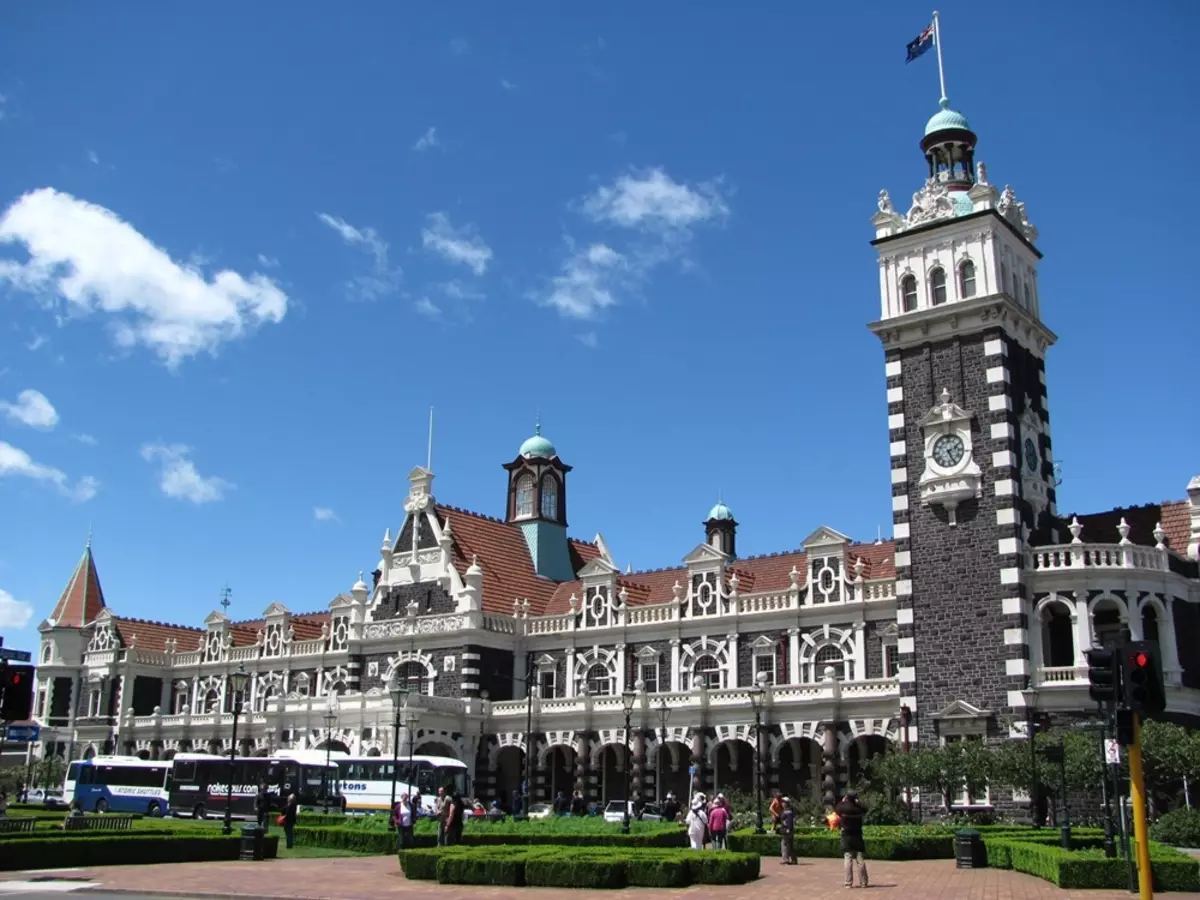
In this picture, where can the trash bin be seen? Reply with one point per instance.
(252, 842)
(969, 851)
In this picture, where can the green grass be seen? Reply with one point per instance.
(314, 852)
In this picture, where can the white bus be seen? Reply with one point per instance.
(124, 784)
(366, 781)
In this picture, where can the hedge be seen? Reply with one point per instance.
(597, 867)
(364, 840)
(1090, 869)
(71, 851)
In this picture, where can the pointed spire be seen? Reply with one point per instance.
(82, 599)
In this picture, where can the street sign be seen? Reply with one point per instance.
(692, 771)
(22, 734)
(1112, 752)
(15, 655)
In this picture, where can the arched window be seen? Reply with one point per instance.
(550, 498)
(908, 289)
(1058, 637)
(412, 676)
(212, 700)
(46, 653)
(708, 669)
(300, 684)
(265, 695)
(937, 286)
(1149, 623)
(966, 279)
(828, 656)
(599, 680)
(524, 497)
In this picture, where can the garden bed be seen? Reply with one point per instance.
(592, 867)
(47, 850)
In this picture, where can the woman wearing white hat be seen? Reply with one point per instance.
(697, 822)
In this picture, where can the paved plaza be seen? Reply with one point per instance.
(374, 877)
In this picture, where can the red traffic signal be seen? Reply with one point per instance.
(1142, 678)
(16, 686)
(1141, 660)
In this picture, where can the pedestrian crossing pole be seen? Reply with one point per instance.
(1137, 793)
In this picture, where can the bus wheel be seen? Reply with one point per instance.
(155, 809)
(101, 805)
(198, 812)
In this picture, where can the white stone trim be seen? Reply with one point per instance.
(1005, 487)
(1011, 606)
(1014, 636)
(903, 559)
(997, 375)
(903, 587)
(467, 656)
(895, 421)
(900, 503)
(900, 530)
(1010, 576)
(1006, 516)
(906, 645)
(1002, 458)
(1016, 700)
(910, 702)
(895, 395)
(907, 674)
(899, 476)
(892, 368)
(998, 431)
(1016, 667)
(1008, 546)
(995, 347)
(998, 402)
(904, 616)
(898, 448)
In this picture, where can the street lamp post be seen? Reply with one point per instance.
(331, 714)
(1030, 697)
(758, 694)
(411, 717)
(236, 682)
(664, 713)
(399, 694)
(628, 700)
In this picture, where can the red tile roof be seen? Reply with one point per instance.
(82, 599)
(771, 572)
(1173, 515)
(154, 635)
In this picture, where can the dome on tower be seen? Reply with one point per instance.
(946, 119)
(538, 447)
(721, 513)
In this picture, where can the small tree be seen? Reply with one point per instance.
(1170, 754)
(48, 772)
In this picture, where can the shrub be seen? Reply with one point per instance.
(1179, 828)
(1088, 868)
(120, 849)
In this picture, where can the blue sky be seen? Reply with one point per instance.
(243, 251)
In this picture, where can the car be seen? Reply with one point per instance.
(615, 812)
(541, 811)
(52, 798)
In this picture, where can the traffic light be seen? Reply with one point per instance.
(1125, 727)
(16, 686)
(1142, 678)
(1102, 675)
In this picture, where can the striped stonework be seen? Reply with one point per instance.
(900, 477)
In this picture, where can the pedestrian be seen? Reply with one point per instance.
(786, 826)
(561, 805)
(718, 823)
(439, 812)
(262, 807)
(578, 806)
(850, 811)
(670, 808)
(454, 820)
(3, 804)
(697, 822)
(290, 811)
(776, 810)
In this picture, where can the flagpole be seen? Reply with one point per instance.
(937, 42)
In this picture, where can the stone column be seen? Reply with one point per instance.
(675, 685)
(581, 762)
(732, 650)
(829, 765)
(639, 760)
(793, 656)
(860, 651)
(570, 673)
(698, 759)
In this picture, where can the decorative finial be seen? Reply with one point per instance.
(88, 545)
(1123, 530)
(981, 169)
(537, 423)
(944, 103)
(1076, 529)
(226, 597)
(944, 397)
(1159, 537)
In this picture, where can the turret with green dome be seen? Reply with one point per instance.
(537, 504)
(720, 529)
(538, 446)
(949, 148)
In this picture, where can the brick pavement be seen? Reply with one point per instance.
(379, 878)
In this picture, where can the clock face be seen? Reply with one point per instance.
(1031, 455)
(948, 450)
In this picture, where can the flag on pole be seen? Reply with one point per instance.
(920, 44)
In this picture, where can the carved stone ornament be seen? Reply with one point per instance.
(930, 203)
(885, 202)
(951, 474)
(417, 501)
(407, 627)
(1034, 487)
(1014, 210)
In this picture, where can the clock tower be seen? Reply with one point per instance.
(969, 431)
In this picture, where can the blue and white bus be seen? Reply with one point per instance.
(119, 784)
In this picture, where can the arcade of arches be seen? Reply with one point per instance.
(797, 767)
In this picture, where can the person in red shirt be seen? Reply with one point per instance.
(718, 823)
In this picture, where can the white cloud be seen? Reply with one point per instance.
(428, 141)
(655, 202)
(14, 613)
(456, 290)
(508, 85)
(32, 409)
(269, 262)
(428, 308)
(456, 245)
(587, 283)
(93, 158)
(178, 476)
(85, 439)
(37, 342)
(589, 340)
(325, 514)
(16, 463)
(382, 279)
(94, 261)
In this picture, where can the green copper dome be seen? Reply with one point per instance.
(720, 512)
(538, 446)
(946, 119)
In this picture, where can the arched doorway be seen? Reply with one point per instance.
(334, 746)
(143, 754)
(560, 771)
(510, 770)
(374, 751)
(800, 769)
(735, 767)
(613, 770)
(859, 755)
(435, 748)
(169, 755)
(671, 763)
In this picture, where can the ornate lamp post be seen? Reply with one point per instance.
(331, 714)
(236, 682)
(664, 713)
(1030, 697)
(758, 695)
(628, 700)
(411, 717)
(399, 694)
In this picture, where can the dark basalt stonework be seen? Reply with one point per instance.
(425, 537)
(445, 684)
(746, 653)
(430, 598)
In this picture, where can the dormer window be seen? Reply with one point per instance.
(524, 503)
(966, 279)
(549, 498)
(937, 286)
(908, 290)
